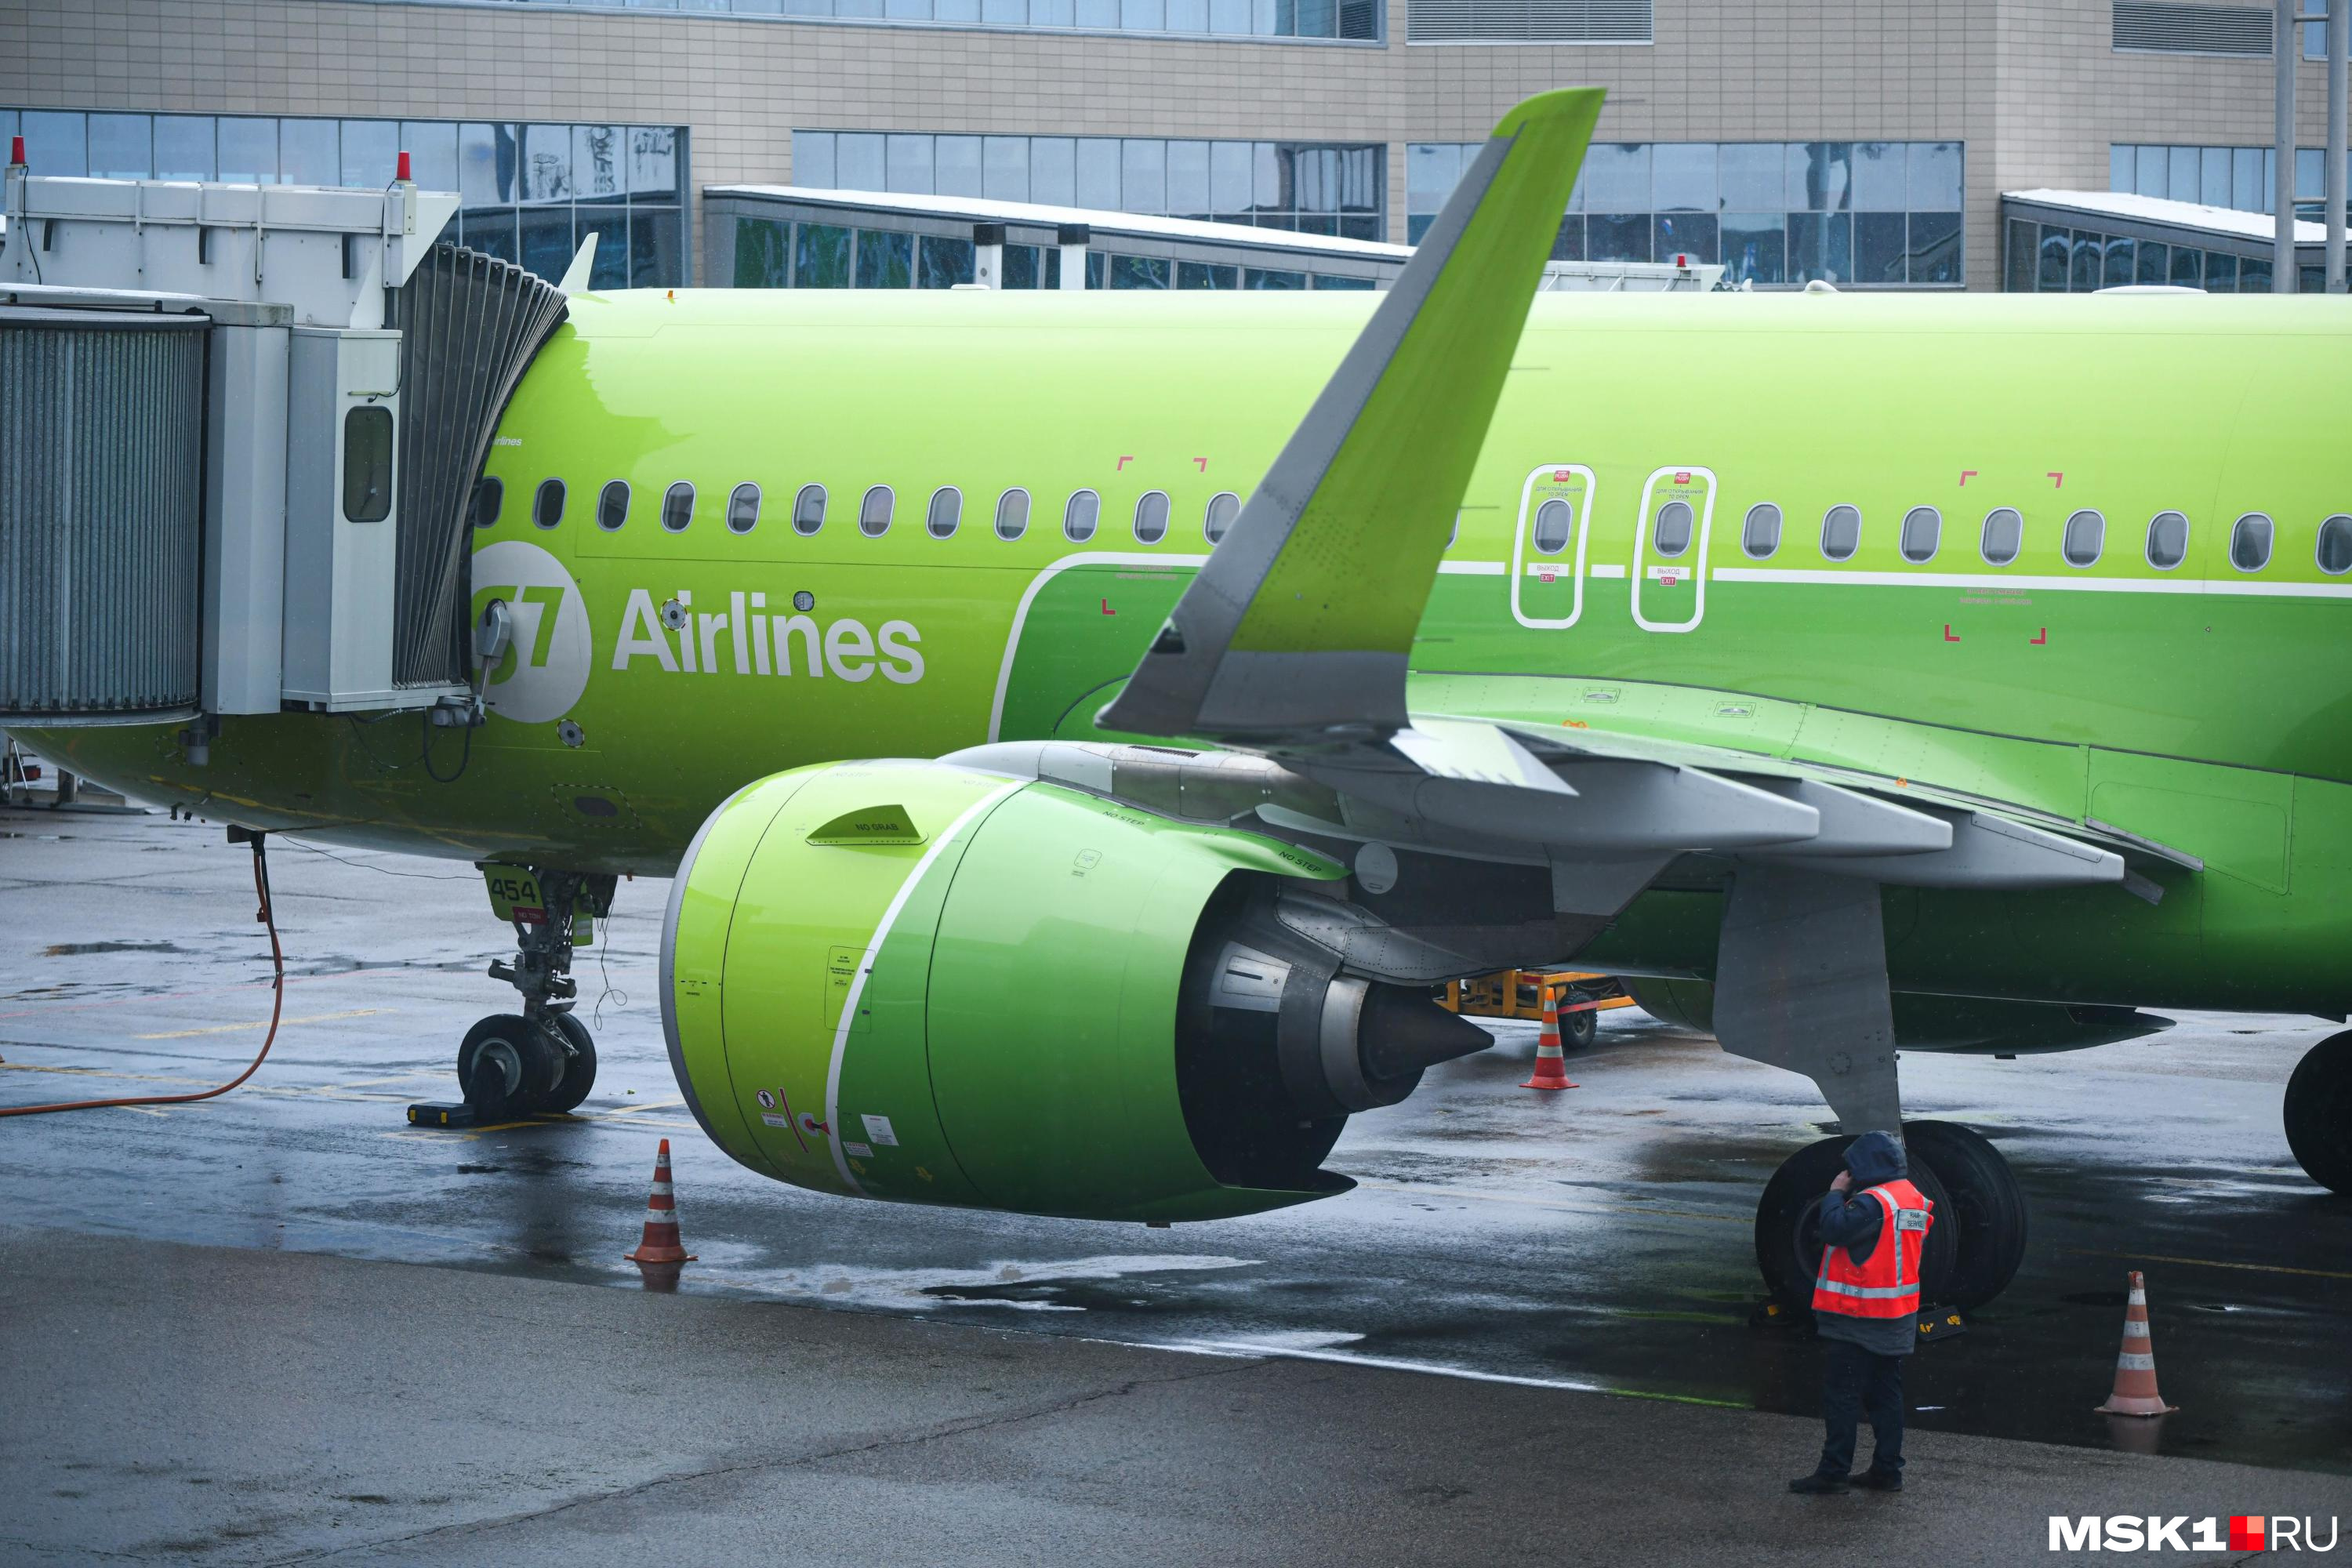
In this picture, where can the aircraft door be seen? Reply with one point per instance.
(1549, 550)
(1670, 550)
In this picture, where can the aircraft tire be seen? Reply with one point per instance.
(579, 1071)
(1788, 1225)
(2319, 1112)
(1987, 1214)
(494, 1066)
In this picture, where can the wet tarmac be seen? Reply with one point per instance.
(1594, 1240)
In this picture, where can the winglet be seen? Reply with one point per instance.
(1299, 625)
(575, 276)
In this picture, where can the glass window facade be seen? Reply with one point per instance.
(1318, 19)
(2058, 258)
(1866, 214)
(1310, 187)
(529, 193)
(2237, 177)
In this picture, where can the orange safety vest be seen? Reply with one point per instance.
(1886, 1283)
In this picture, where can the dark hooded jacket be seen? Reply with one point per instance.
(1857, 1222)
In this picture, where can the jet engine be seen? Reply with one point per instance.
(929, 983)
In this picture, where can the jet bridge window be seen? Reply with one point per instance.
(2250, 543)
(2334, 551)
(489, 499)
(1670, 535)
(2004, 536)
(1225, 507)
(2087, 536)
(2168, 539)
(873, 512)
(547, 506)
(808, 509)
(743, 509)
(1759, 535)
(1923, 531)
(678, 506)
(1079, 516)
(946, 511)
(1841, 532)
(367, 464)
(613, 506)
(1151, 517)
(1555, 526)
(1011, 514)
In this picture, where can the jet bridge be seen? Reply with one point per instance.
(239, 430)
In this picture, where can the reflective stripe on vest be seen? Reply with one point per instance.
(1886, 1283)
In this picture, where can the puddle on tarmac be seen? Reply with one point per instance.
(76, 949)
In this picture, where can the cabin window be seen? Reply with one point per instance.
(613, 505)
(2004, 536)
(367, 464)
(2087, 536)
(743, 509)
(1841, 532)
(490, 498)
(1011, 514)
(1923, 531)
(1555, 526)
(1670, 535)
(2250, 543)
(873, 512)
(1759, 535)
(547, 506)
(2168, 539)
(946, 511)
(808, 509)
(1151, 517)
(2335, 552)
(1079, 516)
(678, 506)
(1225, 507)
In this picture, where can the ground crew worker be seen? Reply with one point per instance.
(1866, 1311)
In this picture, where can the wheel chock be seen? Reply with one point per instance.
(1941, 1323)
(458, 1115)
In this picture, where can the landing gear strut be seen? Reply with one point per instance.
(2319, 1112)
(543, 1060)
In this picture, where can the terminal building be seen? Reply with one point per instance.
(1870, 146)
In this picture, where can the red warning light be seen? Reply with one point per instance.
(401, 175)
(15, 149)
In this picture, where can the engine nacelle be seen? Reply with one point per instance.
(928, 982)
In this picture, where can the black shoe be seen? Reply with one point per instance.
(1818, 1482)
(1878, 1481)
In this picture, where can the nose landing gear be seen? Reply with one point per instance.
(542, 1060)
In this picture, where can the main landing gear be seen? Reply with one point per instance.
(2319, 1112)
(1973, 1248)
(542, 1060)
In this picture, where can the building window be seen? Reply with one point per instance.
(1841, 532)
(1524, 22)
(2168, 539)
(613, 505)
(367, 464)
(2240, 177)
(2250, 543)
(678, 506)
(1224, 508)
(1011, 514)
(1759, 535)
(1079, 516)
(808, 509)
(743, 508)
(1923, 531)
(1773, 214)
(873, 512)
(2087, 536)
(1311, 187)
(2003, 536)
(2083, 260)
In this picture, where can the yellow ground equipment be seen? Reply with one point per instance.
(1582, 997)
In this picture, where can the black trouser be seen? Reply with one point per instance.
(1853, 1381)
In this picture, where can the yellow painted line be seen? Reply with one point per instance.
(2210, 1263)
(235, 1028)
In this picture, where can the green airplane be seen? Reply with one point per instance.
(1083, 730)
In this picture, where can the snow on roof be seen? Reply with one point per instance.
(2229, 221)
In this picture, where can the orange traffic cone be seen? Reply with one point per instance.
(2136, 1391)
(1551, 1067)
(660, 1248)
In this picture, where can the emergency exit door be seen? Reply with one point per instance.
(1548, 553)
(1669, 569)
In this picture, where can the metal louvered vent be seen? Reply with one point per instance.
(470, 324)
(2155, 26)
(1530, 21)
(102, 515)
